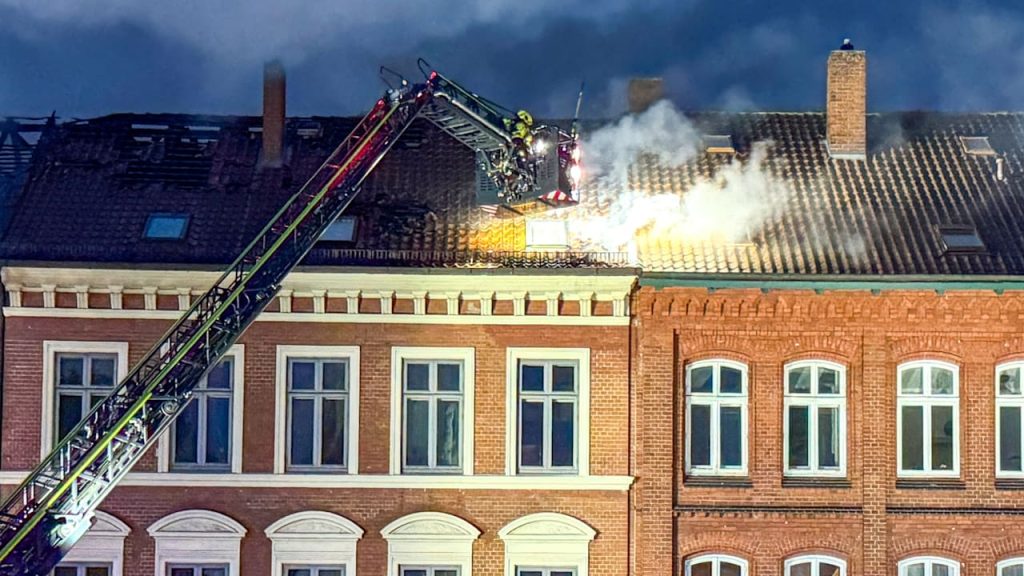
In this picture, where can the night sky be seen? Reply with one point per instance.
(91, 57)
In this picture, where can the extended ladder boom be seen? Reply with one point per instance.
(54, 506)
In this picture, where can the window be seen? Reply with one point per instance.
(716, 565)
(718, 144)
(815, 566)
(100, 552)
(314, 571)
(927, 403)
(1011, 567)
(161, 226)
(430, 544)
(313, 543)
(201, 434)
(977, 145)
(430, 571)
(547, 544)
(961, 239)
(815, 419)
(341, 230)
(197, 543)
(1009, 423)
(432, 410)
(928, 566)
(317, 409)
(716, 418)
(197, 570)
(64, 569)
(547, 235)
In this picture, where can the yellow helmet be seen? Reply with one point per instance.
(525, 117)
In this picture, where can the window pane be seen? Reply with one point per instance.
(299, 572)
(562, 433)
(334, 375)
(1015, 570)
(449, 377)
(417, 376)
(912, 381)
(95, 399)
(302, 432)
(417, 432)
(218, 430)
(446, 572)
(940, 570)
(942, 381)
(799, 450)
(71, 371)
(700, 435)
(330, 572)
(562, 573)
(408, 572)
(102, 372)
(700, 379)
(532, 378)
(828, 438)
(732, 381)
(828, 381)
(332, 441)
(531, 435)
(729, 569)
(1009, 382)
(913, 438)
(800, 380)
(801, 569)
(65, 571)
(731, 431)
(702, 569)
(70, 412)
(916, 569)
(220, 377)
(303, 375)
(564, 378)
(942, 437)
(447, 433)
(530, 572)
(97, 571)
(1009, 439)
(826, 569)
(186, 434)
(181, 572)
(215, 572)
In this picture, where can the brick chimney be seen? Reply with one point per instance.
(847, 131)
(643, 92)
(272, 155)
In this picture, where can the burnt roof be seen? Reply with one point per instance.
(92, 188)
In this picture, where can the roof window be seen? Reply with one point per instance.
(547, 235)
(163, 226)
(341, 230)
(961, 239)
(977, 146)
(718, 144)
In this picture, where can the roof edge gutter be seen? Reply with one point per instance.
(819, 283)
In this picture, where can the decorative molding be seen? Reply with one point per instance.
(547, 539)
(314, 525)
(432, 538)
(149, 297)
(116, 297)
(284, 299)
(189, 536)
(103, 543)
(313, 536)
(319, 301)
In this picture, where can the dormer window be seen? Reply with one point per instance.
(165, 226)
(961, 239)
(341, 230)
(977, 146)
(718, 144)
(547, 236)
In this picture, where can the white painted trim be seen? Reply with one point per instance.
(1007, 401)
(103, 543)
(534, 483)
(197, 536)
(813, 401)
(927, 400)
(547, 539)
(430, 538)
(237, 354)
(815, 560)
(313, 538)
(351, 353)
(716, 560)
(716, 400)
(49, 401)
(512, 358)
(1007, 563)
(330, 318)
(930, 562)
(465, 355)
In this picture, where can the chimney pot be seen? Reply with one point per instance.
(273, 115)
(846, 106)
(644, 92)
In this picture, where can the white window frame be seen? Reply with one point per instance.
(1009, 562)
(813, 401)
(196, 567)
(430, 539)
(465, 356)
(102, 544)
(929, 561)
(430, 570)
(51, 348)
(284, 353)
(315, 569)
(163, 455)
(716, 563)
(815, 560)
(547, 539)
(1008, 402)
(313, 539)
(544, 571)
(81, 567)
(716, 401)
(192, 537)
(581, 356)
(927, 401)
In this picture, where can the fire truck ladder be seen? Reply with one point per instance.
(54, 506)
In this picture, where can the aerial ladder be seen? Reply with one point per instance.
(54, 506)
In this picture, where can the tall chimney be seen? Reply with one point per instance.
(643, 92)
(273, 115)
(847, 132)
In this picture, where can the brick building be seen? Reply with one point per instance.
(831, 387)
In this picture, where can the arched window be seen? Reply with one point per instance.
(815, 565)
(547, 544)
(1009, 423)
(430, 544)
(929, 566)
(716, 565)
(99, 552)
(314, 544)
(197, 543)
(716, 418)
(926, 419)
(1011, 567)
(815, 419)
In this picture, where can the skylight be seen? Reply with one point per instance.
(977, 145)
(718, 144)
(547, 235)
(341, 230)
(958, 238)
(163, 226)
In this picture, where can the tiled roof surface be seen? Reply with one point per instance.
(94, 184)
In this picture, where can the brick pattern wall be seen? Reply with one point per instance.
(847, 102)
